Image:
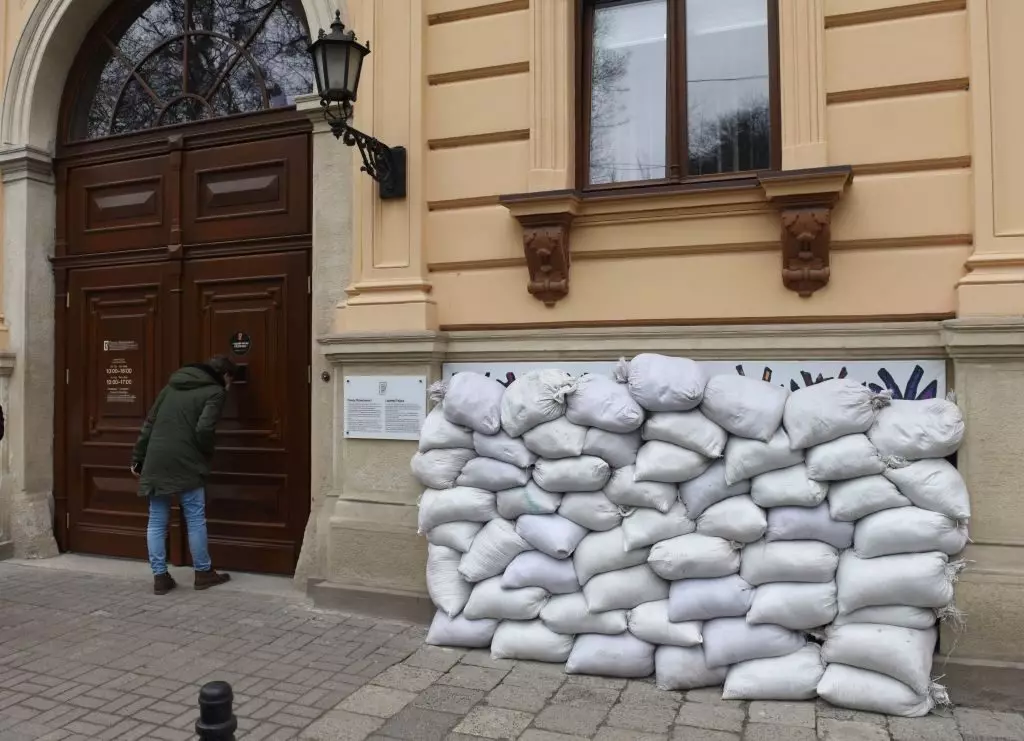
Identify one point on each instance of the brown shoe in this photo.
(207, 579)
(163, 583)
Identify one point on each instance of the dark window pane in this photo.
(281, 51)
(727, 86)
(242, 56)
(628, 99)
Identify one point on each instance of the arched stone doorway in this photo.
(32, 131)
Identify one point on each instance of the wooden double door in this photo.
(167, 258)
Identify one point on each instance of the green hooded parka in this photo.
(176, 444)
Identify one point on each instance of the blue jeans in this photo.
(193, 504)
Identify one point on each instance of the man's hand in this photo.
(135, 470)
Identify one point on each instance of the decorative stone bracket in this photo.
(545, 243)
(805, 199)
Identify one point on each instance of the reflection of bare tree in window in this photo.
(187, 60)
(606, 112)
(735, 141)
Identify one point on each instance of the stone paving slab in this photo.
(97, 656)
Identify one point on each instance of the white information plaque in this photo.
(385, 407)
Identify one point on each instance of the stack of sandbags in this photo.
(909, 510)
(659, 523)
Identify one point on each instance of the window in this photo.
(678, 89)
(176, 61)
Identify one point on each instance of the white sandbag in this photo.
(690, 430)
(908, 530)
(847, 457)
(438, 433)
(447, 589)
(915, 430)
(530, 641)
(736, 518)
(534, 398)
(913, 579)
(792, 677)
(472, 400)
(649, 622)
(678, 668)
(694, 556)
(918, 618)
(551, 534)
(829, 410)
(808, 523)
(598, 401)
(934, 485)
(788, 487)
(558, 438)
(901, 653)
(624, 589)
(461, 504)
(605, 551)
(460, 632)
(858, 689)
(710, 488)
(706, 599)
(502, 447)
(745, 459)
(661, 383)
(744, 406)
(794, 605)
(618, 449)
(625, 490)
(491, 600)
(644, 526)
(457, 535)
(668, 463)
(568, 613)
(438, 469)
(493, 549)
(805, 561)
(492, 475)
(851, 500)
(536, 569)
(732, 640)
(591, 509)
(527, 500)
(611, 656)
(585, 473)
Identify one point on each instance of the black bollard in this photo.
(216, 721)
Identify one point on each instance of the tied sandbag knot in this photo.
(437, 391)
(881, 400)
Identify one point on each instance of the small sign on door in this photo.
(240, 343)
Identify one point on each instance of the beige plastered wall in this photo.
(927, 244)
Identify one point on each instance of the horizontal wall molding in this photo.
(881, 15)
(478, 73)
(893, 243)
(472, 140)
(478, 11)
(926, 165)
(783, 338)
(457, 203)
(898, 91)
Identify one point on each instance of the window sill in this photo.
(803, 198)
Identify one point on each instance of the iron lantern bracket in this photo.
(386, 165)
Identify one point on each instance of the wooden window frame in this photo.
(676, 125)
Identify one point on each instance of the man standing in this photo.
(172, 458)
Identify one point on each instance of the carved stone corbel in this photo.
(546, 223)
(546, 244)
(805, 199)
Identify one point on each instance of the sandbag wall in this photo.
(711, 532)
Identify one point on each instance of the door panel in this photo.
(116, 367)
(258, 496)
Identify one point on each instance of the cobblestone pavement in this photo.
(88, 656)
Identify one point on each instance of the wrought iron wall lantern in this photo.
(338, 62)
